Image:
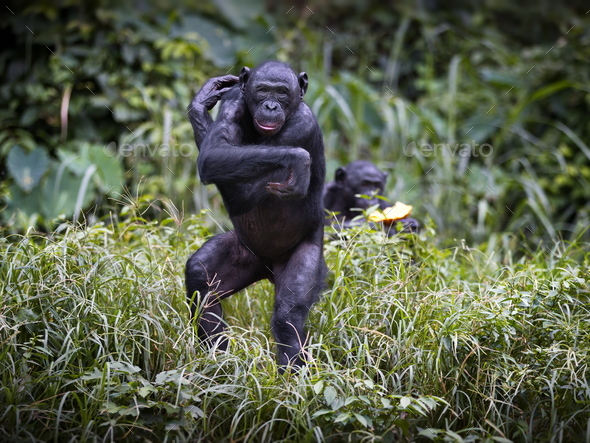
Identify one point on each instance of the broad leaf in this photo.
(27, 169)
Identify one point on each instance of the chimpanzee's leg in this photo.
(220, 268)
(299, 281)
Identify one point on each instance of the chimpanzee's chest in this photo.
(273, 227)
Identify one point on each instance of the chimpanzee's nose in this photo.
(271, 106)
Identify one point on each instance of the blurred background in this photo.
(479, 111)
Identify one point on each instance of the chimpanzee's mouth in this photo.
(268, 127)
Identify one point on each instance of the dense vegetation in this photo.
(477, 329)
(408, 340)
(479, 112)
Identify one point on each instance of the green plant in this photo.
(408, 340)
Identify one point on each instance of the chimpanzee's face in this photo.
(272, 92)
(361, 181)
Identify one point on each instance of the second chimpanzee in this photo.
(358, 186)
(265, 154)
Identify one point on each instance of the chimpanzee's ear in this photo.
(302, 79)
(244, 76)
(340, 176)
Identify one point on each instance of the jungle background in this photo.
(478, 111)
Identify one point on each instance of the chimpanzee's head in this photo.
(272, 92)
(360, 178)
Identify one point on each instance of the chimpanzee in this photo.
(265, 154)
(344, 196)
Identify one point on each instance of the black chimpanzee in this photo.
(344, 196)
(265, 154)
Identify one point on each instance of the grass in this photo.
(410, 341)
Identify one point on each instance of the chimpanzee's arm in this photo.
(223, 160)
(204, 101)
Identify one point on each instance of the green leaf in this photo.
(362, 420)
(112, 408)
(110, 176)
(146, 390)
(317, 388)
(329, 394)
(195, 412)
(27, 170)
(60, 194)
(240, 14)
(96, 374)
(321, 412)
(22, 202)
(221, 48)
(342, 417)
(404, 402)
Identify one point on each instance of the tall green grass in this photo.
(408, 341)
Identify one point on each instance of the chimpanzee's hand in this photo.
(212, 90)
(297, 183)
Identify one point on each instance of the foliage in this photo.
(482, 126)
(408, 340)
(106, 88)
